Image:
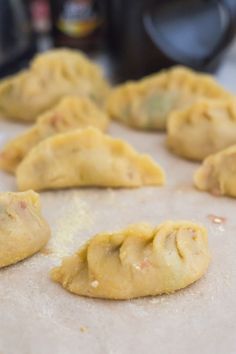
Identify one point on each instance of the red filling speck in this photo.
(216, 219)
(55, 120)
(23, 204)
(145, 264)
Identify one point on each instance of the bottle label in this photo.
(78, 18)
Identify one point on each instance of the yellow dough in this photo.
(71, 113)
(51, 76)
(217, 174)
(23, 231)
(205, 128)
(138, 261)
(86, 158)
(146, 104)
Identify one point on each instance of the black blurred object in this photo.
(148, 35)
(16, 36)
(78, 24)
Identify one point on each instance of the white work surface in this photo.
(38, 316)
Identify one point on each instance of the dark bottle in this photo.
(78, 24)
(41, 23)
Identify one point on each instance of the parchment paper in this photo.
(37, 316)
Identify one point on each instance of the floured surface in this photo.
(38, 316)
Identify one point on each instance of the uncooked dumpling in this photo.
(138, 261)
(71, 113)
(205, 128)
(146, 104)
(51, 76)
(23, 231)
(86, 158)
(217, 174)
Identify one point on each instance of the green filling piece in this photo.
(157, 107)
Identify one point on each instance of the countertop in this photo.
(37, 316)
